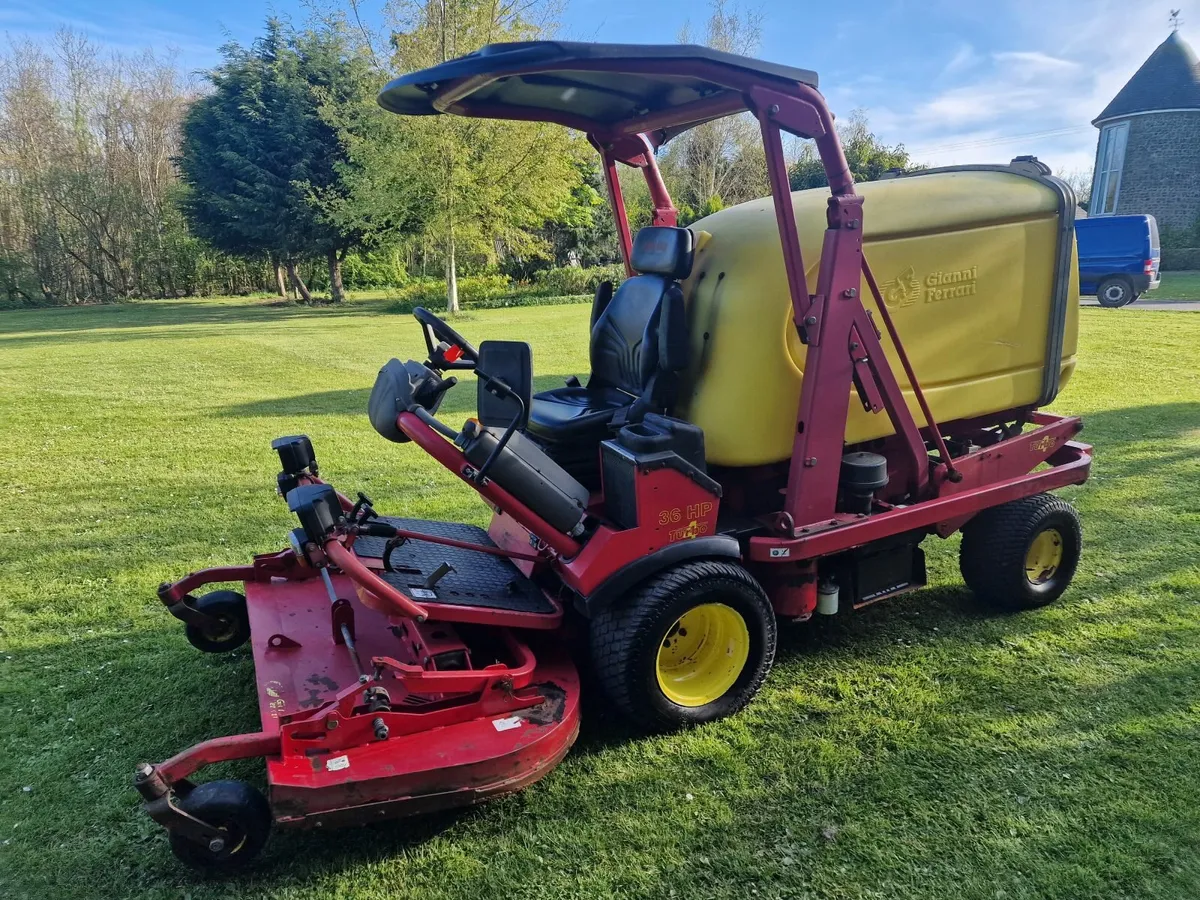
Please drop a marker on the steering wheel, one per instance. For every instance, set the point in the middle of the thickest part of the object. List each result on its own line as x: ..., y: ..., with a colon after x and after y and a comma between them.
x: 462, y: 353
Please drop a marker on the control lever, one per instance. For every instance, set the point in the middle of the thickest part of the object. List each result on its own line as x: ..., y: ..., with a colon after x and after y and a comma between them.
x: 364, y: 506
x: 429, y: 396
x: 437, y: 575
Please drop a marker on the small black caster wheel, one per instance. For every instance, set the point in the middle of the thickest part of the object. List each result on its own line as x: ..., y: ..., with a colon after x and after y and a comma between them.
x: 239, y: 811
x: 230, y: 626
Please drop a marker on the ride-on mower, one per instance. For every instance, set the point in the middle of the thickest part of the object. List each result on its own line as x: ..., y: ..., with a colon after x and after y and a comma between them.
x: 754, y: 441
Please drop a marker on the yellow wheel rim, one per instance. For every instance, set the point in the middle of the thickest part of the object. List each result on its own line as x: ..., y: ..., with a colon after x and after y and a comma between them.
x: 702, y: 654
x: 1044, y: 557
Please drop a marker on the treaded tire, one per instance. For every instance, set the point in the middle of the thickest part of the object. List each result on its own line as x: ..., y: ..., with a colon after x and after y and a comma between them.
x: 231, y: 622
x: 625, y: 640
x: 235, y: 806
x: 1114, y: 293
x: 996, y: 543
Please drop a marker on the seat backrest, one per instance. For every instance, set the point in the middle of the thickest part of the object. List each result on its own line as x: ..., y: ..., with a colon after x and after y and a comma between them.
x: 625, y: 339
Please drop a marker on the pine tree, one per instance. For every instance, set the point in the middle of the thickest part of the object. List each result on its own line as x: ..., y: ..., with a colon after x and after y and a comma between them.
x: 258, y: 158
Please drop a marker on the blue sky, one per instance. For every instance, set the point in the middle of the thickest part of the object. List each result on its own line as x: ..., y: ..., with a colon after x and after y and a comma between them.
x: 955, y: 80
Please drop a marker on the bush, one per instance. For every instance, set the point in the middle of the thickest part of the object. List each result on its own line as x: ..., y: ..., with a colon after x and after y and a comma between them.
x: 516, y: 298
x: 366, y: 270
x: 568, y: 280
x: 1176, y: 259
x: 472, y: 291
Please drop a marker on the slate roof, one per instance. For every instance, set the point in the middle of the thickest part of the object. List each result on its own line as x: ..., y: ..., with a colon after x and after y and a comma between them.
x: 1169, y: 79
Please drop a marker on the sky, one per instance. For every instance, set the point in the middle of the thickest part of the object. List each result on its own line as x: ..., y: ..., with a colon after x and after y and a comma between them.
x: 955, y: 81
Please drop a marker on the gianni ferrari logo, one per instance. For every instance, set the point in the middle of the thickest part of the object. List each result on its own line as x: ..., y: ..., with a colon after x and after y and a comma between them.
x: 695, y: 515
x: 907, y: 287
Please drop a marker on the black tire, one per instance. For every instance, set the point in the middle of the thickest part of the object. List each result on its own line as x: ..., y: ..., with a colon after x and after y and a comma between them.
x: 1133, y: 295
x: 626, y: 639
x: 1115, y: 292
x: 234, y: 806
x: 998, y: 550
x: 231, y: 623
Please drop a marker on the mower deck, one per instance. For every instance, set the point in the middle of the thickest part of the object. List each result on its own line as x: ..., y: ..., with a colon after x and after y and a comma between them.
x: 317, y: 780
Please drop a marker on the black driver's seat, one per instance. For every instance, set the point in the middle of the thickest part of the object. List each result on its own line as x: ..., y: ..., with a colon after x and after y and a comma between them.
x: 639, y: 344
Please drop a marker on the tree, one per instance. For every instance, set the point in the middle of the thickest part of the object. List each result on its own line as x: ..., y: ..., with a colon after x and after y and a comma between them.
x: 87, y: 199
x: 1080, y: 181
x: 869, y: 158
x: 721, y: 160
x: 259, y: 158
x: 473, y: 187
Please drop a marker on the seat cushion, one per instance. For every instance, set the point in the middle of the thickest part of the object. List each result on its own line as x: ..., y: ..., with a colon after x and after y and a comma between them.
x: 575, y: 413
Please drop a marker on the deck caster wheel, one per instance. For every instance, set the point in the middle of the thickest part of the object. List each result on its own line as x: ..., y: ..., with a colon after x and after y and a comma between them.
x: 690, y: 645
x: 230, y: 623
x: 236, y: 808
x: 1023, y: 554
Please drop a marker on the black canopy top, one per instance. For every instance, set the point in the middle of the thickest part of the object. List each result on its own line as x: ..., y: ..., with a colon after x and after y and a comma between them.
x: 580, y: 84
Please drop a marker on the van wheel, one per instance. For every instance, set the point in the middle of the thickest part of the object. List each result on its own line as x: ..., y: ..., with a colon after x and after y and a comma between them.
x: 1115, y: 292
x: 690, y: 645
x: 1022, y: 554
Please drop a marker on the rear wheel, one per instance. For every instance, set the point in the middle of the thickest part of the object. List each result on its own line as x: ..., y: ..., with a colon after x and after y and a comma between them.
x: 1115, y: 292
x: 692, y: 644
x: 1023, y: 554
x: 243, y: 815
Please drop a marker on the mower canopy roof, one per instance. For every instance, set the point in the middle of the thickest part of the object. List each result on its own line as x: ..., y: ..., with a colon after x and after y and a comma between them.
x: 597, y: 88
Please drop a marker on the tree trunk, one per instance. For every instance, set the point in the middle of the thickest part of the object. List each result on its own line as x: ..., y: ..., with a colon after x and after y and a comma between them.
x: 451, y: 276
x: 279, y: 278
x: 298, y: 282
x: 337, y: 293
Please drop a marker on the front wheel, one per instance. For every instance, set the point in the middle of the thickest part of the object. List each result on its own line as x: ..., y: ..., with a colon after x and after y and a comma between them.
x: 692, y: 644
x: 1023, y: 554
x: 243, y: 816
x: 228, y: 625
x: 1115, y: 292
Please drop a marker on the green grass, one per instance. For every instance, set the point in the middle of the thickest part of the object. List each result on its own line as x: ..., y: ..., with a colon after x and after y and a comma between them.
x: 920, y: 749
x: 1177, y: 286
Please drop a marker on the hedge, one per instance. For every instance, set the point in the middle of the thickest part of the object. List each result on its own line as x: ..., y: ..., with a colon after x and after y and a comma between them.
x: 574, y: 280
x: 1176, y: 259
x: 526, y: 298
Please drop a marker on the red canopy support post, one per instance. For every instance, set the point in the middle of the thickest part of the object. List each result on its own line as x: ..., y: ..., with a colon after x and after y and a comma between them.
x: 665, y: 212
x: 616, y: 201
x: 843, y: 348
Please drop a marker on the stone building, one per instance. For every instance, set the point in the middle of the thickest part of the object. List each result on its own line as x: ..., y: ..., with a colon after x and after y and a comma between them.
x: 1148, y: 157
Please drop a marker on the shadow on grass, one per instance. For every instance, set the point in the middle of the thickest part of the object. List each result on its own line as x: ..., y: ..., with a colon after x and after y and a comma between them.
x: 460, y: 399
x: 168, y: 313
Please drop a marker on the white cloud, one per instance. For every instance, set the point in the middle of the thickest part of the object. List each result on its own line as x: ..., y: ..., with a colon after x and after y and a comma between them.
x: 1064, y: 62
x: 1035, y: 60
x: 964, y: 58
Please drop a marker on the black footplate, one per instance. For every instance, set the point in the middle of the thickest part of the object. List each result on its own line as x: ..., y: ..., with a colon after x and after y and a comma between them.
x: 474, y: 579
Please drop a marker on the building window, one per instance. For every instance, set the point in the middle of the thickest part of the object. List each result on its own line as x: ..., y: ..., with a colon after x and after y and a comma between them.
x: 1110, y: 159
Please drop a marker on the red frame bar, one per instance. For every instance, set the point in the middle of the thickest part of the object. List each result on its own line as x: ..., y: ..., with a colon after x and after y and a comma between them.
x: 352, y: 566
x: 222, y: 749
x: 1074, y: 461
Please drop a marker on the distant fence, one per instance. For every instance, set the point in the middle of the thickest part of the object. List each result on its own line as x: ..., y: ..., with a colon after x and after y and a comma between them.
x: 1178, y: 258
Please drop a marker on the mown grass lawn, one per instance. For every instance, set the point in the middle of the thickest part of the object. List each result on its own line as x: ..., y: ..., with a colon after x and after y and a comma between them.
x: 1177, y: 286
x: 923, y: 748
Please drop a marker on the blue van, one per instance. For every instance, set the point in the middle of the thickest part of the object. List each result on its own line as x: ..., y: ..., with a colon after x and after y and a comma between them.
x: 1118, y: 257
